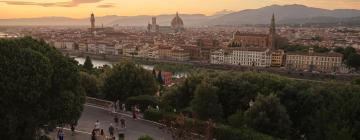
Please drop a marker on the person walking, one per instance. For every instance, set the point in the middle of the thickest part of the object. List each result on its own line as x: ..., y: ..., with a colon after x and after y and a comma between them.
x: 60, y: 134
x: 134, y: 112
x: 102, y: 135
x: 116, y: 120
x: 72, y: 127
x: 117, y: 105
x: 111, y: 130
x: 137, y: 111
x: 93, y: 135
x: 97, y: 126
x: 123, y: 107
x: 122, y: 121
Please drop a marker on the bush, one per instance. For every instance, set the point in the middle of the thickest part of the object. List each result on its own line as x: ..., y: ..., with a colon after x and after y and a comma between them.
x: 146, y: 137
x: 223, y: 132
x: 142, y: 100
x: 153, y: 115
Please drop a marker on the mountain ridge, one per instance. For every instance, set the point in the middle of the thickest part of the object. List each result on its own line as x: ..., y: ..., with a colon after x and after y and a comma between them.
x: 284, y: 14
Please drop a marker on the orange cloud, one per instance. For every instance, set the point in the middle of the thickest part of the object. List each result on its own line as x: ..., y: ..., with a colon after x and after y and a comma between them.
x: 72, y: 3
x: 106, y: 6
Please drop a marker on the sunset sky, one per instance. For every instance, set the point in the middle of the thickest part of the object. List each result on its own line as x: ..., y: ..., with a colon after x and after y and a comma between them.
x: 82, y: 8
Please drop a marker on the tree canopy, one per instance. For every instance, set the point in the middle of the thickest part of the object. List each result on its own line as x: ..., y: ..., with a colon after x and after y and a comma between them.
x: 269, y: 116
x: 39, y: 88
x: 206, y: 103
x: 128, y: 79
x: 88, y: 64
x: 283, y: 108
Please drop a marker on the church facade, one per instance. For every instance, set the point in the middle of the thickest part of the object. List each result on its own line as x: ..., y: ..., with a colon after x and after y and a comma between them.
x: 177, y: 25
x: 256, y: 40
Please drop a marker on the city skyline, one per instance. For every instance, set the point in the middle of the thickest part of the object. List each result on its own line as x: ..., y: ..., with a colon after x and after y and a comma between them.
x: 82, y: 8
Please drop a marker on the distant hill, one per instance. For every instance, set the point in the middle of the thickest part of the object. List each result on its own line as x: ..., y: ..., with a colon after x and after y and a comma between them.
x: 163, y: 20
x: 286, y: 14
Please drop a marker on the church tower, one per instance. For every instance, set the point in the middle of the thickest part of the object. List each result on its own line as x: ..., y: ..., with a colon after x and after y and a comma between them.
x: 92, y: 20
x: 154, y: 21
x: 272, y: 33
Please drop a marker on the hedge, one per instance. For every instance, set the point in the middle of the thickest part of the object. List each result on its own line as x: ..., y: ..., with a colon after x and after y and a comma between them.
x: 157, y: 116
x: 224, y: 132
x: 146, y: 137
x: 143, y: 101
x: 221, y: 132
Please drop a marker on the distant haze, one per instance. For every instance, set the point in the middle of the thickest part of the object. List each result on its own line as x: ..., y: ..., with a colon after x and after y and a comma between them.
x: 286, y: 14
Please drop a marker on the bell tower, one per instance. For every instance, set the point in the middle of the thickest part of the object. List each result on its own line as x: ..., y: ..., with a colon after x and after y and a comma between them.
x: 272, y: 33
x: 92, y: 20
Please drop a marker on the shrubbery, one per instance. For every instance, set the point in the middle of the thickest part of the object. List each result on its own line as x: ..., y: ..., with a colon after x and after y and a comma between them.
x: 142, y: 100
x: 223, y: 132
x: 294, y: 109
x: 146, y: 137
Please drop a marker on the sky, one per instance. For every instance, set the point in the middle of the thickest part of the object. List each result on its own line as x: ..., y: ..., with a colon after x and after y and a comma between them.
x: 82, y: 8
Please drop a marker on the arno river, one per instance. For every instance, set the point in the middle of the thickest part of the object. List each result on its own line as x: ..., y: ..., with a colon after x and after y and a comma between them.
x: 98, y: 63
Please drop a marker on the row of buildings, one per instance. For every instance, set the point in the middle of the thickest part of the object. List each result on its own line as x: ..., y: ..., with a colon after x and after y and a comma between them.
x: 260, y: 50
x: 263, y: 57
x: 215, y: 46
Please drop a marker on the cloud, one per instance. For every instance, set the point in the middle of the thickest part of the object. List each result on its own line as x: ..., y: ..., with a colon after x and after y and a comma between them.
x: 72, y: 3
x: 106, y: 6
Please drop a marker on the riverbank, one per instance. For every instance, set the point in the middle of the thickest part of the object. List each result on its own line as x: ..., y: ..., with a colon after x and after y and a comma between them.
x: 186, y: 67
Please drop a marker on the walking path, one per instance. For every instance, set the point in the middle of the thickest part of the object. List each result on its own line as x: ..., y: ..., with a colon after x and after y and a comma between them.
x: 135, y: 128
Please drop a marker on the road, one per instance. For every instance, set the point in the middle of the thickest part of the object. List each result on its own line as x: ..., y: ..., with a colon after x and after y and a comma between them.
x: 135, y: 128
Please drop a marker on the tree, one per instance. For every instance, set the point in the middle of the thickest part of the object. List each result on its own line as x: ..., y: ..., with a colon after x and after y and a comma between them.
x: 348, y: 51
x: 128, y: 79
x: 206, y: 103
x: 353, y: 60
x: 90, y: 84
x: 269, y: 116
x: 160, y: 78
x: 88, y: 64
x: 180, y: 96
x: 154, y: 73
x: 237, y: 120
x: 339, y: 50
x: 39, y: 88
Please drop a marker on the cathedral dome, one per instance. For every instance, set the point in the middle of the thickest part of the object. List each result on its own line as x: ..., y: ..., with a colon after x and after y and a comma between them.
x: 177, y: 23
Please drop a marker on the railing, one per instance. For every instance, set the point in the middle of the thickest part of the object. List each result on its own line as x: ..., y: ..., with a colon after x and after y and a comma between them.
x: 99, y: 102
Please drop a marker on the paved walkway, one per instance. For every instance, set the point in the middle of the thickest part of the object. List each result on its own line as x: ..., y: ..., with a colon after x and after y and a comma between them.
x: 135, y: 128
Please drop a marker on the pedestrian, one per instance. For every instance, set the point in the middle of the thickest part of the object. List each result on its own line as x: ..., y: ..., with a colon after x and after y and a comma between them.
x: 60, y: 134
x: 157, y: 107
x: 97, y: 126
x: 72, y: 127
x: 123, y: 107
x: 137, y: 111
x: 117, y: 105
x: 116, y: 120
x: 113, y: 108
x: 121, y: 133
x: 93, y: 135
x: 111, y: 130
x: 102, y: 135
x: 122, y: 121
x: 134, y: 112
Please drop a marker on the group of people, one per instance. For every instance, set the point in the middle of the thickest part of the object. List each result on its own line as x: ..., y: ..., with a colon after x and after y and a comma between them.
x: 99, y: 134
x: 116, y: 107
x: 61, y: 134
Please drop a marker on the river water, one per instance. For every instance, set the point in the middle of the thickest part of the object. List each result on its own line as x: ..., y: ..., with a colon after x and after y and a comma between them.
x: 99, y: 63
